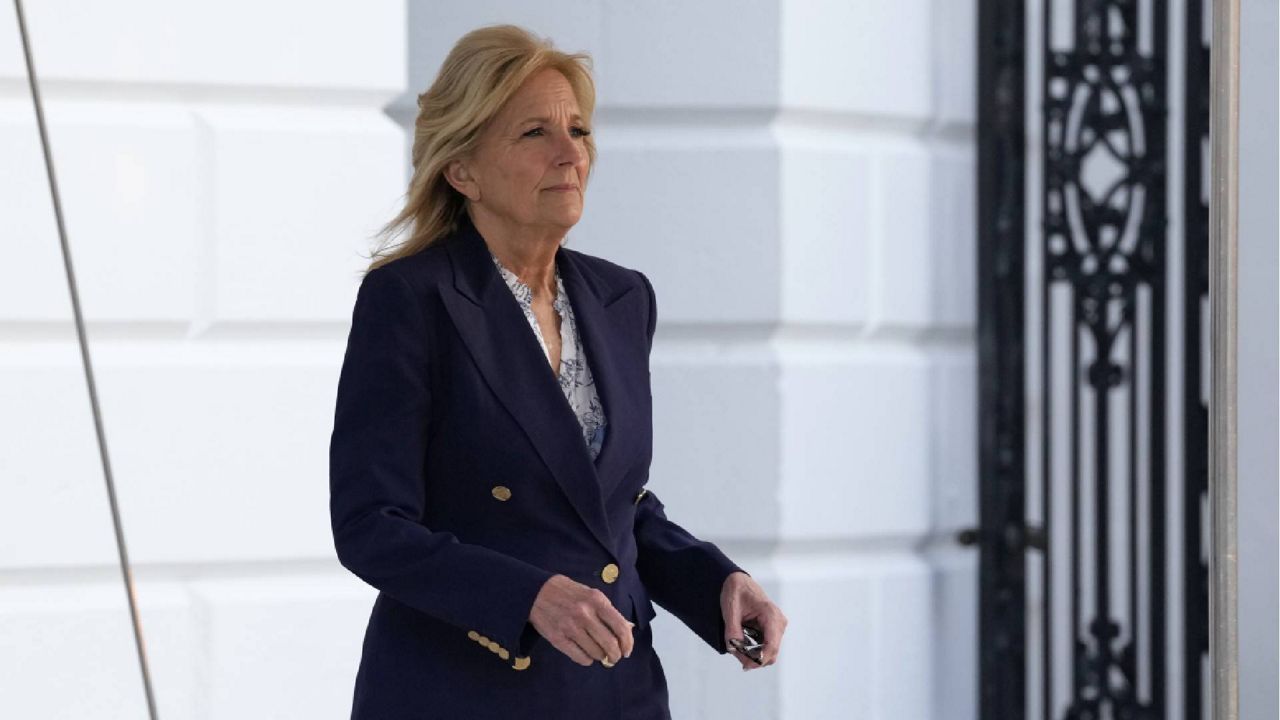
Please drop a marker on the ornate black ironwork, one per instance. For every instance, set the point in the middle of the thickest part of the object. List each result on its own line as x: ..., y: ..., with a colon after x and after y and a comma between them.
x: 1104, y: 249
x: 1105, y: 238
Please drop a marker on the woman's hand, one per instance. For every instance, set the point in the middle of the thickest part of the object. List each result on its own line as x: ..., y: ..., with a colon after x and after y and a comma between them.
x: 742, y: 598
x: 580, y: 622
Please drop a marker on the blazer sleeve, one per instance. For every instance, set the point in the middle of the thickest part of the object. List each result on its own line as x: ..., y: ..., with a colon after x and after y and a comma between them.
x: 376, y: 480
x: 682, y: 573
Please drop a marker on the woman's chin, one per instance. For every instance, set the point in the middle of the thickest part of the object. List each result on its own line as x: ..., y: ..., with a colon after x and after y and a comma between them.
x: 565, y: 217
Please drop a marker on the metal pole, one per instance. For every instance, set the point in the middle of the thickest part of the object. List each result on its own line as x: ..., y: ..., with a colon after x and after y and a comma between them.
x: 85, y: 361
x: 1224, y: 123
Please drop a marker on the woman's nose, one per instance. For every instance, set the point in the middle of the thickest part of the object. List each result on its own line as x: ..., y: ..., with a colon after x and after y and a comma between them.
x: 569, y: 150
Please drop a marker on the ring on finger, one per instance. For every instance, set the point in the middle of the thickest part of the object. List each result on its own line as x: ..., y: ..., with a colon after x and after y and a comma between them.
x: 605, y: 661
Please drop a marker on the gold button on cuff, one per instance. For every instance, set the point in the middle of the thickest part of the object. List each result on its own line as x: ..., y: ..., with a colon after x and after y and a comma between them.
x: 482, y: 640
x: 502, y: 653
x: 473, y: 634
x: 609, y: 573
x: 521, y: 663
x: 502, y: 492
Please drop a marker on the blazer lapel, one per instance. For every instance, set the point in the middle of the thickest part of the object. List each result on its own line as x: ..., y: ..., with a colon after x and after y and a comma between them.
x: 600, y: 313
x: 505, y: 350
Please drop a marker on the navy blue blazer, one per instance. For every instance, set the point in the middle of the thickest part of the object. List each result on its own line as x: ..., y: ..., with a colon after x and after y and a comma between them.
x: 460, y: 483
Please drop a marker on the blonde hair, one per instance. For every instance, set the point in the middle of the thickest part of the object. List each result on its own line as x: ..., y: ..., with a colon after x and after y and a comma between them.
x: 482, y: 72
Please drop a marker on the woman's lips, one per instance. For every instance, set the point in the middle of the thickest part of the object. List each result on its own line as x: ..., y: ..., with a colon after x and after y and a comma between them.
x: 563, y: 188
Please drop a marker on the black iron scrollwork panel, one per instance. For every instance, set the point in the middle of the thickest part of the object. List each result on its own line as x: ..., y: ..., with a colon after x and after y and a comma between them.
x: 1091, y: 575
x: 1105, y: 237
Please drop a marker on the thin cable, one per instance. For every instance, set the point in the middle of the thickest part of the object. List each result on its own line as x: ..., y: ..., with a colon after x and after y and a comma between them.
x: 88, y: 365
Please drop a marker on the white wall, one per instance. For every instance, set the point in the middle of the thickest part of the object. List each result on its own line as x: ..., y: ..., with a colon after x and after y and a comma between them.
x: 1259, y: 365
x: 796, y: 177
x: 221, y: 165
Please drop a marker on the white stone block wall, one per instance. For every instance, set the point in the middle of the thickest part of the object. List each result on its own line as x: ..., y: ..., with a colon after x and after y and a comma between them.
x: 796, y: 177
x: 222, y: 166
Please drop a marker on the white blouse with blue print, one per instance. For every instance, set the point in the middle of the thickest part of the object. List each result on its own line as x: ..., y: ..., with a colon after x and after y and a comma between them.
x: 576, y: 382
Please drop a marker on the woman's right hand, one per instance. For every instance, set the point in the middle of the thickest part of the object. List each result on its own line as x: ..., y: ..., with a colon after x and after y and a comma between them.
x: 581, y: 622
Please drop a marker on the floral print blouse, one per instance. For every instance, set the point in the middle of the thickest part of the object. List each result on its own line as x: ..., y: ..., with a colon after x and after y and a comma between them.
x: 576, y: 383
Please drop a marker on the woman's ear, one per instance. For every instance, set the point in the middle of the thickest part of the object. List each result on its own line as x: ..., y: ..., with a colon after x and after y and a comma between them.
x: 457, y: 174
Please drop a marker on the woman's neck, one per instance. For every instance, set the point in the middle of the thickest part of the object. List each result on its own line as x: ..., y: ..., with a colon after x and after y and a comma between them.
x: 527, y: 251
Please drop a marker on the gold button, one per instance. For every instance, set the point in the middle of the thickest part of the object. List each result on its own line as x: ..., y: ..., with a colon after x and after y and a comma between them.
x: 502, y: 492
x: 482, y: 640
x: 502, y: 653
x: 494, y: 648
x: 609, y: 573
x: 521, y: 663
x: 473, y: 634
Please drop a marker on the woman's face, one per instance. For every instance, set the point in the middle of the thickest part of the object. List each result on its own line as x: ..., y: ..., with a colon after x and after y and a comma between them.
x: 530, y: 166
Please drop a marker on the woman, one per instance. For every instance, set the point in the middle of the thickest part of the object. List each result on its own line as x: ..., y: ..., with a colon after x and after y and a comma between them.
x: 493, y: 433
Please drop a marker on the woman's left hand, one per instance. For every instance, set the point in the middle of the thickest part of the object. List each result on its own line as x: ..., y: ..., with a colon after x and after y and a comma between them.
x: 742, y: 598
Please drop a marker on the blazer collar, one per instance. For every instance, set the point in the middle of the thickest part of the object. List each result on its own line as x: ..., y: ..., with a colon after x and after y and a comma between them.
x: 478, y: 280
x: 503, y: 346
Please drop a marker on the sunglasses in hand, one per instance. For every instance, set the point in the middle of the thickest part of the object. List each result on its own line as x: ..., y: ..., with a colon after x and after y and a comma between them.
x: 752, y: 642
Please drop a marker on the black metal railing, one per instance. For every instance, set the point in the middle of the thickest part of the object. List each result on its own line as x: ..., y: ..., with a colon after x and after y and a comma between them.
x: 1076, y: 608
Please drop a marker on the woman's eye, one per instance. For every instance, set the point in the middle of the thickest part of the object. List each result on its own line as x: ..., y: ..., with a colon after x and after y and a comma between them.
x: 576, y: 132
